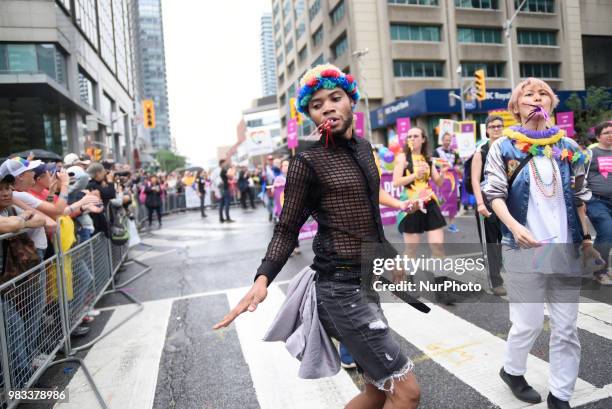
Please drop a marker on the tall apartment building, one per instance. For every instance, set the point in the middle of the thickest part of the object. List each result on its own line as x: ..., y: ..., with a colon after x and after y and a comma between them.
x: 417, y: 46
x: 152, y: 60
x: 268, y: 64
x: 66, y: 76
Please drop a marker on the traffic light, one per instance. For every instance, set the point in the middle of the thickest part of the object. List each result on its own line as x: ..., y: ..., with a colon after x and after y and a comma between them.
x: 480, y: 85
x: 148, y: 108
x: 97, y: 154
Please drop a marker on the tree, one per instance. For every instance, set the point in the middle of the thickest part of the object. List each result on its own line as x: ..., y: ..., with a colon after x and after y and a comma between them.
x: 169, y: 161
x: 594, y: 108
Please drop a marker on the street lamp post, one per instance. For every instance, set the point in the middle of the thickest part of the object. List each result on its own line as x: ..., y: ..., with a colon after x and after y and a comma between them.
x: 462, y: 91
x: 460, y: 74
x: 508, y: 32
x: 359, y: 54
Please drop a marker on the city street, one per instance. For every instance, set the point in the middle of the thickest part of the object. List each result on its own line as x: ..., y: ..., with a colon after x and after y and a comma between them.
x: 169, y: 357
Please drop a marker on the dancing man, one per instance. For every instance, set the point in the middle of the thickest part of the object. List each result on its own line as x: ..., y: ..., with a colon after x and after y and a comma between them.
x: 337, y: 182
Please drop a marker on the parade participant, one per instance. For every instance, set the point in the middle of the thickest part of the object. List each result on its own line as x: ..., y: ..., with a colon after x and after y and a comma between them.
x: 279, y: 197
x: 270, y: 173
x: 225, y: 195
x: 534, y: 179
x: 337, y: 182
x: 278, y: 187
x: 492, y: 229
x: 599, y: 208
x: 413, y: 170
x: 201, y: 181
x: 154, y: 191
x: 446, y: 153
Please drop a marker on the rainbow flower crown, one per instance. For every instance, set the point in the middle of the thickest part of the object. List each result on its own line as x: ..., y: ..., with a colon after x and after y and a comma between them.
x: 326, y: 76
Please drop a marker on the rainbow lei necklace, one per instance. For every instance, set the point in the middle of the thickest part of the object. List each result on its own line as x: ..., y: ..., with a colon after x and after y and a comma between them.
x: 542, y: 146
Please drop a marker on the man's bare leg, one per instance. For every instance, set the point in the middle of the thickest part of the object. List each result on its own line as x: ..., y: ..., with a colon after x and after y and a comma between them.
x: 370, y: 398
x: 406, y: 394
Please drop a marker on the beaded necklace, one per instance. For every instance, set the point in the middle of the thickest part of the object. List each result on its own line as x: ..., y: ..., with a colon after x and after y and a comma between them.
x: 545, y: 188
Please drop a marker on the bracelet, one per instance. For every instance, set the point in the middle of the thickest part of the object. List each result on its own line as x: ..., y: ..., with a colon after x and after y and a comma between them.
x: 587, y: 237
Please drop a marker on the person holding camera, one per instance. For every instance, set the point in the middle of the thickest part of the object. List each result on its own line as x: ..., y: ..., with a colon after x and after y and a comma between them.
x: 102, y: 185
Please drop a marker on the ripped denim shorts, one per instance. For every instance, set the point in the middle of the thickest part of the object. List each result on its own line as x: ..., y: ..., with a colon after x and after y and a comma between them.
x: 357, y: 321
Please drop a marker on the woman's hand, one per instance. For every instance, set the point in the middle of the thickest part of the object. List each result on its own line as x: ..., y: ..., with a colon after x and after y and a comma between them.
x: 482, y: 209
x: 420, y: 170
x: 588, y: 252
x: 523, y: 237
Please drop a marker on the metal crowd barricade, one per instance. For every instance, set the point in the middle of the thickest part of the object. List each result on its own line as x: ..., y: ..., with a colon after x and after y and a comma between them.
x: 34, y: 323
x: 103, y: 251
x: 41, y: 307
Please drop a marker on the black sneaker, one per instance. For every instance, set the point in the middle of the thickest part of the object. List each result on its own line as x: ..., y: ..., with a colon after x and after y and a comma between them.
x: 556, y: 403
x: 230, y: 220
x: 221, y: 221
x: 520, y: 388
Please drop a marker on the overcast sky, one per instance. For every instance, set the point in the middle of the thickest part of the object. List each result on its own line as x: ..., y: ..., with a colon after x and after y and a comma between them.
x: 212, y: 61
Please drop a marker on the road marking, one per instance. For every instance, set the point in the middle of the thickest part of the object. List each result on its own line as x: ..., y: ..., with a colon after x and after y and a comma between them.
x: 125, y: 364
x: 274, y: 371
x: 598, y: 310
x: 594, y: 317
x: 472, y: 354
x: 241, y: 290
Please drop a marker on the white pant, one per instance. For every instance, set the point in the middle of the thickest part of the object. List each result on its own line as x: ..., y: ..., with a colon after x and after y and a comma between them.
x: 527, y: 318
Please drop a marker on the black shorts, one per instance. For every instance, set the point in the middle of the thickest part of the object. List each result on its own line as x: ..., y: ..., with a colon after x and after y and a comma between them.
x: 419, y: 222
x: 358, y: 322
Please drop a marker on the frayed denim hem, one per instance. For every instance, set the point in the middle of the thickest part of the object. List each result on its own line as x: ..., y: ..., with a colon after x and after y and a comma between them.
x: 387, y: 384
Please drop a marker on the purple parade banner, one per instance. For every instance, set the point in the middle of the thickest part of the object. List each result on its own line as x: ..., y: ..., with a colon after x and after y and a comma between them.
x: 565, y: 121
x: 402, y: 125
x: 292, y: 134
x: 388, y: 215
x: 467, y: 127
x: 308, y: 230
x: 359, y: 118
x: 447, y: 193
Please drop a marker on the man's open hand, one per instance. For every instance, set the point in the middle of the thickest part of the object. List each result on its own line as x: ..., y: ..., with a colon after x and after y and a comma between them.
x: 249, y: 302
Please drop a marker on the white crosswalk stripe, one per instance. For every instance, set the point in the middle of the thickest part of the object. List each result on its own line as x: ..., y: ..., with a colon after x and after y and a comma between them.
x: 470, y: 353
x: 274, y: 371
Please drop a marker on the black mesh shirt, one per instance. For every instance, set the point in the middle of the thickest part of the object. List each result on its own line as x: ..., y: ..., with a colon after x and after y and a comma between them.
x: 338, y: 185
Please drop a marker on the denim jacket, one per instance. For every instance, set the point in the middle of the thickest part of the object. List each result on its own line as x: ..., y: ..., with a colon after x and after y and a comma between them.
x: 504, y: 158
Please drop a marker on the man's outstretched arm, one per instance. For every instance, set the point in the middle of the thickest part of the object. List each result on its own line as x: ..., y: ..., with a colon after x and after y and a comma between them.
x: 295, y: 212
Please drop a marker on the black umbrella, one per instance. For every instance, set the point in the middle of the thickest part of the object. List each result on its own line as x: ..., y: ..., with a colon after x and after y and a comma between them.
x: 195, y: 169
x: 38, y: 154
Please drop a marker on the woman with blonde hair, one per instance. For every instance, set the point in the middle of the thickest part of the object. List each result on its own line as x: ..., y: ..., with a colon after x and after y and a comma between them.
x: 534, y: 179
